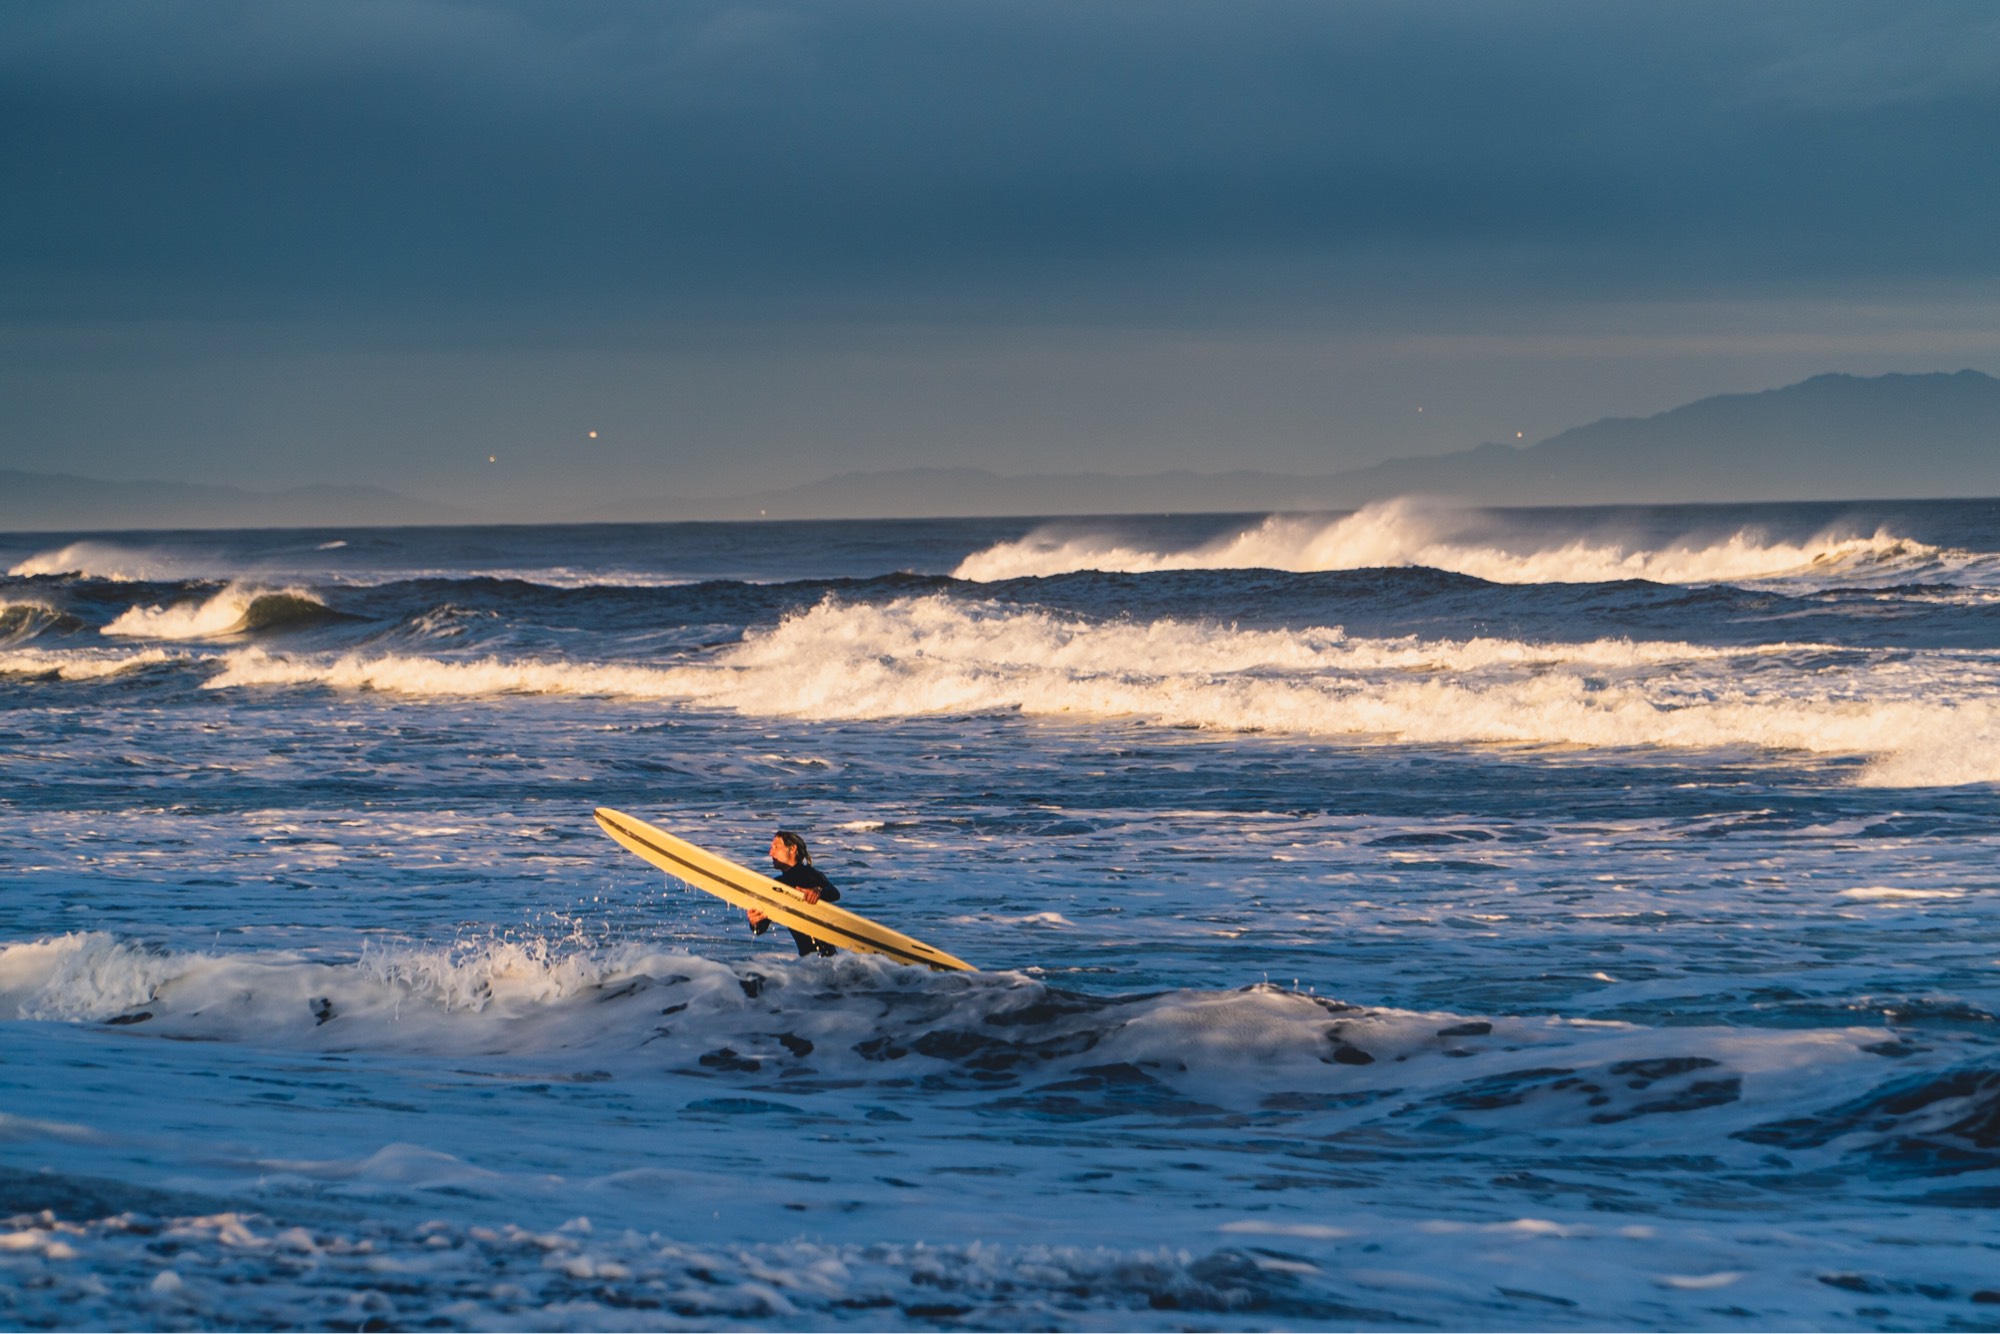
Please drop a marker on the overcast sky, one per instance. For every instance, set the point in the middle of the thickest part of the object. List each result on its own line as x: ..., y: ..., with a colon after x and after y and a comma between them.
x: 278, y: 243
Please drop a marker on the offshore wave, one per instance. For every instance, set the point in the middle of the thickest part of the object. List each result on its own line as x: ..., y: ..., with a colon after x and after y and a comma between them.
x: 106, y: 561
x: 81, y: 665
x: 1404, y: 533
x: 237, y: 609
x: 22, y: 621
x: 111, y: 562
x: 1930, y: 720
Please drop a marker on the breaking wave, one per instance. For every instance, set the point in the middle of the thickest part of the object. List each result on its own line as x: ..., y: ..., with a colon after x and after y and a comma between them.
x: 532, y: 995
x: 864, y: 1016
x: 1404, y: 533
x: 1007, y: 1039
x: 101, y: 560
x: 80, y: 665
x: 237, y: 609
x: 22, y: 621
x: 932, y: 655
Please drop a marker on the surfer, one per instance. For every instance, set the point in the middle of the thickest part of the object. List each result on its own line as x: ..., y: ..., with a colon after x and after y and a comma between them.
x: 795, y: 868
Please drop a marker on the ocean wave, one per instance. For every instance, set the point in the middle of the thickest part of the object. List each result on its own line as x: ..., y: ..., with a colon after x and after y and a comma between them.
x: 446, y: 621
x: 1403, y: 533
x: 112, y: 1273
x: 1007, y: 1039
x: 237, y: 609
x: 1338, y: 1260
x: 80, y: 977
x: 22, y: 621
x: 561, y: 578
x: 425, y: 677
x: 102, y: 560
x: 108, y: 1274
x: 80, y: 664
x: 1929, y: 720
x: 533, y: 995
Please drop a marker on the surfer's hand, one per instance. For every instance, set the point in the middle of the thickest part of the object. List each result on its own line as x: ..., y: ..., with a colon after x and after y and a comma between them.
x: 812, y: 895
x: 756, y: 918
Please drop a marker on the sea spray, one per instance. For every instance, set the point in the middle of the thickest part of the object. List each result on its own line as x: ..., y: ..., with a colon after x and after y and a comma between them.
x: 236, y: 609
x: 1405, y: 533
x: 1932, y: 719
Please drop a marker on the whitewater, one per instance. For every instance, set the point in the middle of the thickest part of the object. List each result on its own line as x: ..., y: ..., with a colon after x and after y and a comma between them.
x: 1415, y: 917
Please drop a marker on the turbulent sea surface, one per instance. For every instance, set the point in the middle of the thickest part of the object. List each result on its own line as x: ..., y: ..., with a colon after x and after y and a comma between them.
x: 1410, y: 919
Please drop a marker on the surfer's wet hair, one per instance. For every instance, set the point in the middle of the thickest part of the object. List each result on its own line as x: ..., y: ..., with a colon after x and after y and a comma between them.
x: 796, y: 844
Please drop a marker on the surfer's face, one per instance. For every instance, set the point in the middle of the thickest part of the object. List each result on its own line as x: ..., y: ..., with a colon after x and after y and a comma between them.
x: 781, y: 852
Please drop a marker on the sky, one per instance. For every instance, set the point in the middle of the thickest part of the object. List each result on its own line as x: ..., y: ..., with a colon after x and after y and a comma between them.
x: 749, y: 246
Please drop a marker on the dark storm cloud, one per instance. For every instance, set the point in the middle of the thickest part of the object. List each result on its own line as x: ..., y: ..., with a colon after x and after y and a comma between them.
x: 663, y: 162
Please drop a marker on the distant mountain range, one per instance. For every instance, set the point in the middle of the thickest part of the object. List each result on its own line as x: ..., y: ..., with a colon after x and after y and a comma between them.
x: 1832, y: 437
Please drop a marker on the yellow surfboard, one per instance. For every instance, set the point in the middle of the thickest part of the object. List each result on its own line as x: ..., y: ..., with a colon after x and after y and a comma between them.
x: 780, y: 902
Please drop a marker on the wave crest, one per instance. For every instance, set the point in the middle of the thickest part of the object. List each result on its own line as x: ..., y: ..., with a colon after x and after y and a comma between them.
x: 1009, y: 1039
x: 237, y: 609
x: 22, y: 621
x: 1404, y: 533
x: 81, y: 976
x: 99, y: 560
x: 80, y: 665
x: 873, y: 1017
x: 1933, y: 721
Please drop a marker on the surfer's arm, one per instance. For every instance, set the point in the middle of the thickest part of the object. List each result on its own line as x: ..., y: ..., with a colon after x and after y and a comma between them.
x: 811, y: 885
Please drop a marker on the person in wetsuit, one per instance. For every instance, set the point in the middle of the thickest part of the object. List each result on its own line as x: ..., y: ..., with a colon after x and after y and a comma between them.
x: 795, y: 868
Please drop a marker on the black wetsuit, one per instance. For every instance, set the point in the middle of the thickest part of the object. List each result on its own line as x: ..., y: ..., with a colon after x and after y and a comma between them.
x: 803, y: 875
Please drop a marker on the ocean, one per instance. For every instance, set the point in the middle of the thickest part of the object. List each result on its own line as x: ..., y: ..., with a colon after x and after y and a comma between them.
x: 1416, y: 918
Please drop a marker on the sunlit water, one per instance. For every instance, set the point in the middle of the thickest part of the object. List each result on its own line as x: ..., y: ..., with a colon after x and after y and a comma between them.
x: 1554, y: 919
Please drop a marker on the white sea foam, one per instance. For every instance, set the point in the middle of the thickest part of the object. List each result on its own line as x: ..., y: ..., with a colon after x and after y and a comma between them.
x: 1890, y: 894
x: 107, y: 1273
x: 424, y: 677
x: 101, y: 560
x: 406, y: 993
x: 80, y: 664
x: 872, y: 1022
x: 1402, y: 533
x: 1927, y: 722
x: 534, y: 996
x: 80, y: 976
x: 236, y: 608
x: 537, y: 995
